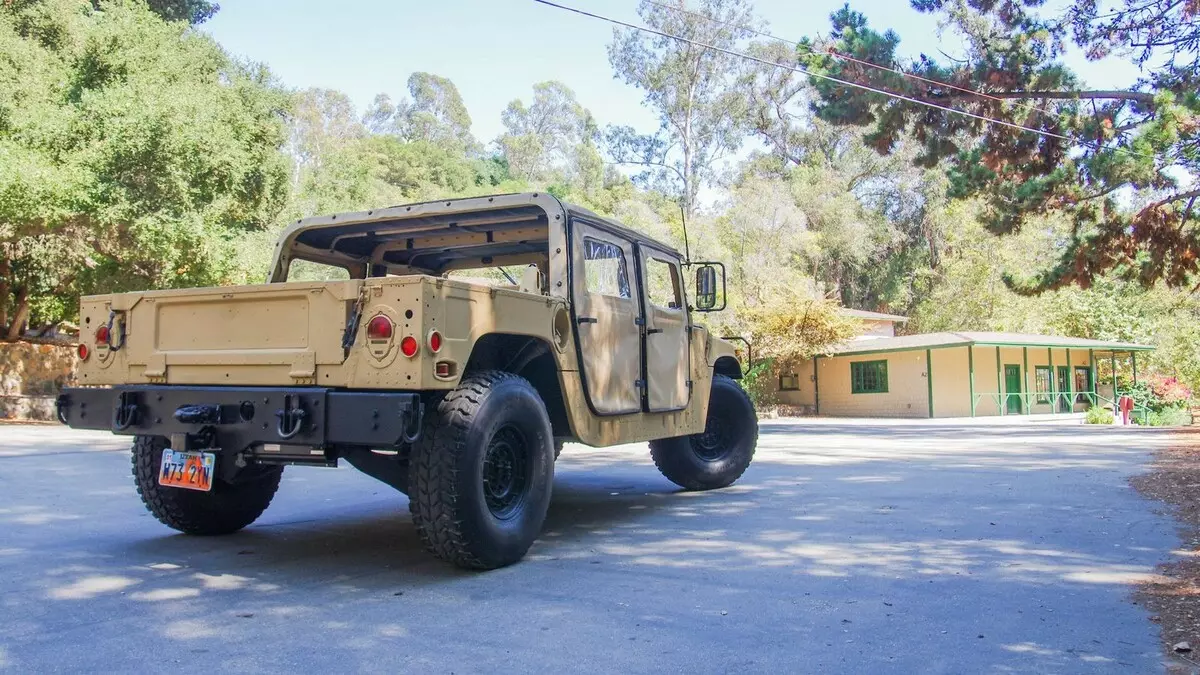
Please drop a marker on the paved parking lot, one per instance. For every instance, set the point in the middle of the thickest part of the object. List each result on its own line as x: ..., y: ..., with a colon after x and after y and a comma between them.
x: 847, y: 547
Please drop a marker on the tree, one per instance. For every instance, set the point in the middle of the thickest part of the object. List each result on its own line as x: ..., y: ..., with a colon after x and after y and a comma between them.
x: 692, y: 88
x: 547, y: 136
x: 436, y: 113
x: 133, y: 154
x: 192, y: 11
x: 323, y: 122
x: 1088, y: 148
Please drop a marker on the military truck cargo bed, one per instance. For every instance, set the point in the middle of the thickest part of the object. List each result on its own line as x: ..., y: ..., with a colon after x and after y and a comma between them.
x: 294, y: 334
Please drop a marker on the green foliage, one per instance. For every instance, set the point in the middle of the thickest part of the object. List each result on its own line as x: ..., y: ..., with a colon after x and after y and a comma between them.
x: 191, y: 11
x: 1099, y: 415
x: 1158, y: 393
x: 1138, y: 140
x: 791, y: 328
x: 133, y: 153
x: 759, y: 383
x: 1169, y: 417
x: 693, y: 91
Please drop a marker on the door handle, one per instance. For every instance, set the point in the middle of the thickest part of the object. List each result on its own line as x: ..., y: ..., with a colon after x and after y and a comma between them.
x: 652, y: 331
x: 586, y: 319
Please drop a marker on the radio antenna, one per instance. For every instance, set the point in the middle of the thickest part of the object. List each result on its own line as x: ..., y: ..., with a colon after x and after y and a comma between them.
x: 687, y: 254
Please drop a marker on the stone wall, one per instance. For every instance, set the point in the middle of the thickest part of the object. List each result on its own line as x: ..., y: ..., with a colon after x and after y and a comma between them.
x: 31, y: 374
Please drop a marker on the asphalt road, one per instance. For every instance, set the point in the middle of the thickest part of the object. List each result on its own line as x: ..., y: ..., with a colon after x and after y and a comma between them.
x: 845, y: 548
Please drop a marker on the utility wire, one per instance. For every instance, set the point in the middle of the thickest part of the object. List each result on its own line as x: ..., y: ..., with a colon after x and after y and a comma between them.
x: 837, y: 80
x: 846, y: 57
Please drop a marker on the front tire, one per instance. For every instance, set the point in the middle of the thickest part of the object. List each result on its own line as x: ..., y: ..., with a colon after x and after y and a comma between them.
x: 718, y: 456
x: 227, y: 508
x: 481, y: 474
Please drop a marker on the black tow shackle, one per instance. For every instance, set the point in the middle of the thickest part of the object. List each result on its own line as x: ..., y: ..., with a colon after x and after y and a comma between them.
x: 416, y: 420
x: 125, y: 414
x: 291, y: 417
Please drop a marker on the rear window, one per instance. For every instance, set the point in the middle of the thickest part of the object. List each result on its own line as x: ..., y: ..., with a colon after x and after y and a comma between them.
x: 304, y: 270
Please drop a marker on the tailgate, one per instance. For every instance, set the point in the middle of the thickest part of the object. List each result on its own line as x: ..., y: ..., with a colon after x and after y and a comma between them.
x: 268, y: 334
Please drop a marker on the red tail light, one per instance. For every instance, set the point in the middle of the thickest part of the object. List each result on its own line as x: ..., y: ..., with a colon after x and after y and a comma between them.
x: 379, y: 328
x: 102, y: 335
x: 409, y: 346
x: 84, y: 352
x: 435, y: 342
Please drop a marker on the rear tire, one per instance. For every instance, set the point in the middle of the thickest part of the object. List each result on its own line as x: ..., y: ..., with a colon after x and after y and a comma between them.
x: 481, y: 474
x: 718, y: 456
x: 227, y: 508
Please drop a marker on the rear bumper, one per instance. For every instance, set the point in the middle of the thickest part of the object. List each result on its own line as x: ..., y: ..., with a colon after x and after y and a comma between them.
x: 240, y: 417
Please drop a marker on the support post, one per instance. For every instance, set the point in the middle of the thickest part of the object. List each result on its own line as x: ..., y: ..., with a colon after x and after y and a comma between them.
x: 1025, y: 378
x: 1053, y: 381
x: 1133, y: 359
x: 1070, y: 383
x: 971, y: 375
x: 929, y: 378
x: 1001, y: 399
x: 816, y: 386
x: 1112, y: 363
x: 1093, y: 375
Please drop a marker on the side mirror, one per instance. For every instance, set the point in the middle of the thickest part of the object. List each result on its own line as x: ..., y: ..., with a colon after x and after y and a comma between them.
x: 709, y: 290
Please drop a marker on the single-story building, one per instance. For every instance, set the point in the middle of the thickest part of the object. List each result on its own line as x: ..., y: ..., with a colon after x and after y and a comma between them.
x: 962, y: 374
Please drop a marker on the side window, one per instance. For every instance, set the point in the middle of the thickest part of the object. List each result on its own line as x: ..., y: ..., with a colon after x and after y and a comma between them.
x: 304, y: 270
x: 662, y: 283
x: 604, y: 269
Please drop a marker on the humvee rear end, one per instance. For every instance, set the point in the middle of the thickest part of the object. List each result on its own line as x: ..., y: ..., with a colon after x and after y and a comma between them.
x: 453, y: 348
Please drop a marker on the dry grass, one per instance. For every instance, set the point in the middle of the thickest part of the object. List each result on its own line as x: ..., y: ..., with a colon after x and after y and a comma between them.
x: 1174, y: 597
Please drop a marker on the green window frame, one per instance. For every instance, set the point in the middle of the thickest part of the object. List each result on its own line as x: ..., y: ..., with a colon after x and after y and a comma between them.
x: 1042, y: 376
x: 868, y: 377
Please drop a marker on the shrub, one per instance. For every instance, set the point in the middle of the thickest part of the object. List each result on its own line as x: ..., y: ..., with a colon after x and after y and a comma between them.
x: 1098, y: 414
x: 757, y: 383
x: 1169, y: 417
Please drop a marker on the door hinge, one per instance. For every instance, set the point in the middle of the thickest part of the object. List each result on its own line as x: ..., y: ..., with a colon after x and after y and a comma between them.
x: 639, y: 321
x: 688, y: 384
x: 640, y: 384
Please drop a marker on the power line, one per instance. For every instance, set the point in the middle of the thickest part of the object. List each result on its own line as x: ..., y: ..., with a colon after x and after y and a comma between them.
x: 836, y: 80
x: 846, y: 57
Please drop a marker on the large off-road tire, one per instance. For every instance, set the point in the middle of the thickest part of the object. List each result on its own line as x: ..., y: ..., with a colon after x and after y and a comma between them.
x: 719, y: 456
x: 227, y: 508
x: 481, y: 473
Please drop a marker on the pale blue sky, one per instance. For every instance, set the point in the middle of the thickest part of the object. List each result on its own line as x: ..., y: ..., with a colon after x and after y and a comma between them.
x: 494, y: 50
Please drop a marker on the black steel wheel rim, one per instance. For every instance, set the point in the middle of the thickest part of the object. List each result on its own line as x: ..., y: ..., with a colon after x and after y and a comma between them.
x: 714, y: 443
x: 506, y: 472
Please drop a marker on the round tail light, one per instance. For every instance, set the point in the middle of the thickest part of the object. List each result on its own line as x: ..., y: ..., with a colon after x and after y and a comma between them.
x: 409, y: 346
x: 102, y: 335
x: 84, y: 352
x: 379, y: 328
x: 435, y: 342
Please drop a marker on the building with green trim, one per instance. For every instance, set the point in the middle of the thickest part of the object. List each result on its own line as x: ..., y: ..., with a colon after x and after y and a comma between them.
x: 962, y: 374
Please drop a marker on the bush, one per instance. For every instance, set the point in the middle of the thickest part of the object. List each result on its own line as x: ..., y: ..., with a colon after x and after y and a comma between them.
x: 1098, y: 414
x: 1158, y: 393
x: 757, y: 383
x: 1169, y: 417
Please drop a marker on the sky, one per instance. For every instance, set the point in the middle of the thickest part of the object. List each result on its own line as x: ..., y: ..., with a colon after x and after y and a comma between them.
x: 495, y: 50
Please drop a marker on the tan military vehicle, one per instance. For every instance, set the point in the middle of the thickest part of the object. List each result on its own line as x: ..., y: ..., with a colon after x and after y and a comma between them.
x: 453, y: 349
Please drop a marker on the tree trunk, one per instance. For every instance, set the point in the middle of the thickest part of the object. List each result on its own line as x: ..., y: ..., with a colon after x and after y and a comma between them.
x: 5, y: 289
x: 19, y: 317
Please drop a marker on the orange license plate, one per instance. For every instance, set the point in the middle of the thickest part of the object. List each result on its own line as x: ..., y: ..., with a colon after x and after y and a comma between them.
x: 189, y: 470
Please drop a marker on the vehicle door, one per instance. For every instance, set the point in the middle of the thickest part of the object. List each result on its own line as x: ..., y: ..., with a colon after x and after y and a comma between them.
x: 607, y: 319
x: 667, y: 350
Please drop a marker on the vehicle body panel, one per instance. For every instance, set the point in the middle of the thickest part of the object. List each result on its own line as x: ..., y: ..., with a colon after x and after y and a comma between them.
x: 646, y: 368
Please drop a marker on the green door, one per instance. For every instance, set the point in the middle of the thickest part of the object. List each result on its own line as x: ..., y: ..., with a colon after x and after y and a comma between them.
x: 1012, y: 386
x: 1064, y: 389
